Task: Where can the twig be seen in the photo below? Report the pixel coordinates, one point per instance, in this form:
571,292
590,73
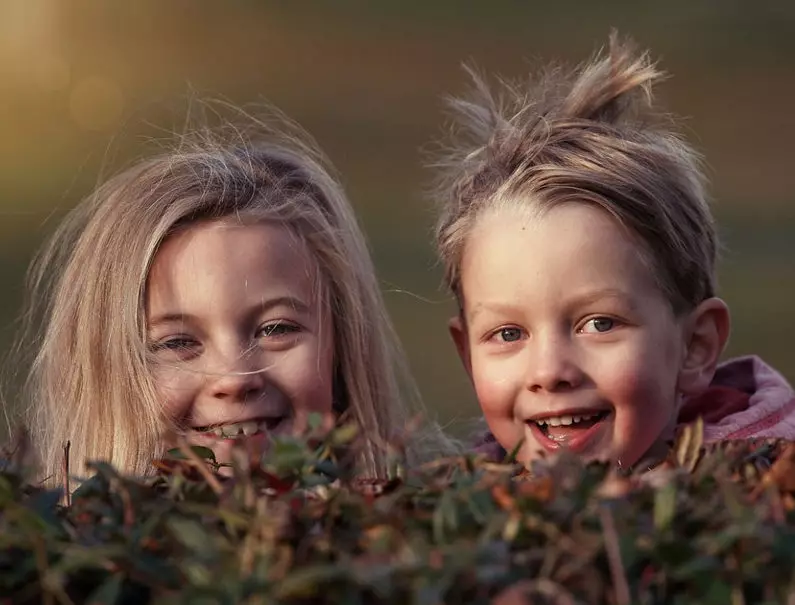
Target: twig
40,551
67,493
50,593
614,557
200,466
520,592
129,511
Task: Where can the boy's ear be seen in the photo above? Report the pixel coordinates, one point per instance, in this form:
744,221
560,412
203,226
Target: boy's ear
458,331
707,333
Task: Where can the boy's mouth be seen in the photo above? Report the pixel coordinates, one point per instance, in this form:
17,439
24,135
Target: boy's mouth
573,431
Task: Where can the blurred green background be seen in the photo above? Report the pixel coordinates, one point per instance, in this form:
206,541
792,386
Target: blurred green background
86,86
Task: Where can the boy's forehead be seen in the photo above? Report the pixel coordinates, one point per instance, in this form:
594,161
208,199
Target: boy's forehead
568,250
557,232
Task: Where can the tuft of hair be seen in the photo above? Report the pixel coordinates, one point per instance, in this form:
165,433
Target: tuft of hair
590,135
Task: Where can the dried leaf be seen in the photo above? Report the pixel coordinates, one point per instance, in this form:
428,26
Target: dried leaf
688,446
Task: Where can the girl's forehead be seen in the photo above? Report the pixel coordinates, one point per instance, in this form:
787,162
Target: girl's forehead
206,262
208,242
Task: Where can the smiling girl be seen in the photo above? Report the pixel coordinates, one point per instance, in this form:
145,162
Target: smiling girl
578,242
222,290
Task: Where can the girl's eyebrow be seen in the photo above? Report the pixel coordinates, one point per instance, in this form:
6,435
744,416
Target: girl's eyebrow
265,305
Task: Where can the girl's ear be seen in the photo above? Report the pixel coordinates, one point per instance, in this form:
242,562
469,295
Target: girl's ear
458,331
707,333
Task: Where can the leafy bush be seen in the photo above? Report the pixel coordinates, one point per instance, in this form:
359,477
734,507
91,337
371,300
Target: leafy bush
711,525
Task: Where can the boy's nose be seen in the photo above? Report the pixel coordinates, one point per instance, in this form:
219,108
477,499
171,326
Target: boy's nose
553,367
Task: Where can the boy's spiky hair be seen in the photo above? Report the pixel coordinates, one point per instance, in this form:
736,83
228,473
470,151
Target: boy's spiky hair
591,135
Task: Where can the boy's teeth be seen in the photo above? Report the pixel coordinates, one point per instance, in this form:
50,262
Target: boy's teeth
565,420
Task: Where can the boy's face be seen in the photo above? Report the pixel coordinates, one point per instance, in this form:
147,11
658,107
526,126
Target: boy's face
242,343
566,337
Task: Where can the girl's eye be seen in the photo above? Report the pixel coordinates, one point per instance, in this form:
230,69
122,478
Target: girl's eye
598,325
509,334
277,329
174,344
178,345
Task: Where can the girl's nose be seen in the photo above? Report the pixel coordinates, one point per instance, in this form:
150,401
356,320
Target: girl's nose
237,379
553,367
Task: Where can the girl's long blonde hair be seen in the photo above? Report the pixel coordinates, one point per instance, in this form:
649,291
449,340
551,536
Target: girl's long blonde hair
89,383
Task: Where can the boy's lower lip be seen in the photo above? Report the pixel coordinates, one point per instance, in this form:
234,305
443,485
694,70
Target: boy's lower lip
577,443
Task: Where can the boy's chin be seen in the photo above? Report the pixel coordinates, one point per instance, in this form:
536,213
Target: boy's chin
597,445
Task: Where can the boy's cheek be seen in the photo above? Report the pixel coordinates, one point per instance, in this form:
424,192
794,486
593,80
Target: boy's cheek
494,389
644,412
496,394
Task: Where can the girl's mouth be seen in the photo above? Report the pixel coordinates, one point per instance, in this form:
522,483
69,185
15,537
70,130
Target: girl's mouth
238,430
574,432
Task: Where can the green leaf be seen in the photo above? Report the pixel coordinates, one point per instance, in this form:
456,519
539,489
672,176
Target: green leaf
205,453
510,458
192,535
314,421
344,434
664,506
309,581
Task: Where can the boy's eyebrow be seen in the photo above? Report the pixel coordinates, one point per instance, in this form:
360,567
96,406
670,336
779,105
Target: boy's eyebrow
264,305
597,295
574,302
493,306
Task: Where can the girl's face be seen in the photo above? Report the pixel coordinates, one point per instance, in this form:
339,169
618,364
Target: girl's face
568,340
241,339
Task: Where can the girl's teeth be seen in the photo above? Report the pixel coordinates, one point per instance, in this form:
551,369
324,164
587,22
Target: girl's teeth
228,431
249,428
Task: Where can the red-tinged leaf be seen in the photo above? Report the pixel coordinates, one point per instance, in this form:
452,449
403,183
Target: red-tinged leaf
503,497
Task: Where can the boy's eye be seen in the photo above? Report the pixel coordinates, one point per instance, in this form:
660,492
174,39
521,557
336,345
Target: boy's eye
278,328
510,334
598,325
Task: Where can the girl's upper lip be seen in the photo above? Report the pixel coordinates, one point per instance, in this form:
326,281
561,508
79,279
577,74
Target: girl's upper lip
575,411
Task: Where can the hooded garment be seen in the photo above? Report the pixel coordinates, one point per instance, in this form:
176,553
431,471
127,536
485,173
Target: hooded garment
747,399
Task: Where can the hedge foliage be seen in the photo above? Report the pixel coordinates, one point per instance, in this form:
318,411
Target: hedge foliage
710,526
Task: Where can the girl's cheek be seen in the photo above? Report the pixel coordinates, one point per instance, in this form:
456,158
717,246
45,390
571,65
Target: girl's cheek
176,392
306,378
